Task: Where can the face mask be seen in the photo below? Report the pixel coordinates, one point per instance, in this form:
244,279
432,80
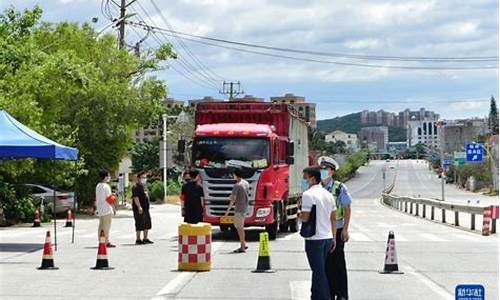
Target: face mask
144,180
324,174
304,185
107,179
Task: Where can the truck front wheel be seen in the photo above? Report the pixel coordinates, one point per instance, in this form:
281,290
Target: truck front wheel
293,223
272,230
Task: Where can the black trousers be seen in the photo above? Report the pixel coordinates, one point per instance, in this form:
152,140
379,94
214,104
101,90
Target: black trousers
336,270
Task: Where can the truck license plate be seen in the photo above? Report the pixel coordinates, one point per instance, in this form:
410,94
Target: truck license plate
226,220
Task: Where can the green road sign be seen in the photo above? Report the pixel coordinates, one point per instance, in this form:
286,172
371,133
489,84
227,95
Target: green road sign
460,161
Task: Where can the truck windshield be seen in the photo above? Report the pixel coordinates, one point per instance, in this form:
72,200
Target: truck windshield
231,152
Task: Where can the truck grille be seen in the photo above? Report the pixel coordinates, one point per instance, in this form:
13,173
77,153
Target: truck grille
218,190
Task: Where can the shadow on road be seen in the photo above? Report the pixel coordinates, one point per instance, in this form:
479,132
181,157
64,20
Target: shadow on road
20,247
251,235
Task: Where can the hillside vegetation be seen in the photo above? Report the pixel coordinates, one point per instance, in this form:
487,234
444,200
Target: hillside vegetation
351,123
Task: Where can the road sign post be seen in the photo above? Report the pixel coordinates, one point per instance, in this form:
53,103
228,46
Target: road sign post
474,152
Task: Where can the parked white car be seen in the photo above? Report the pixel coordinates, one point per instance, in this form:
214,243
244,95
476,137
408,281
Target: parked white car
64,200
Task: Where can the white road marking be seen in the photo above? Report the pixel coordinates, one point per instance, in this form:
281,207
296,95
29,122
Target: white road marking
290,237
300,290
467,237
175,285
125,236
358,227
20,232
429,283
69,232
359,237
384,225
399,237
89,235
432,237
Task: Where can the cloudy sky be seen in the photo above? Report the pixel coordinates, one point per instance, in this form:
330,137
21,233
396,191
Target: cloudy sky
398,28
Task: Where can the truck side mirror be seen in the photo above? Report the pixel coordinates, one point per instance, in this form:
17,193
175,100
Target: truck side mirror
290,149
181,146
290,160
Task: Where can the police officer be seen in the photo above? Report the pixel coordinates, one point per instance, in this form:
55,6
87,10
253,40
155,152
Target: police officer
336,270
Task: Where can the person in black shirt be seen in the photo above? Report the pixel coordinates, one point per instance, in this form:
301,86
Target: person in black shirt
140,207
192,199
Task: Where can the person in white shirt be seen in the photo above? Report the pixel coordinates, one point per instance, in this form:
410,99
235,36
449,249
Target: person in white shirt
105,210
323,241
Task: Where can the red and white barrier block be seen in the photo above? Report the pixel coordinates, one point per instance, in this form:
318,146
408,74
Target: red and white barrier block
494,217
195,242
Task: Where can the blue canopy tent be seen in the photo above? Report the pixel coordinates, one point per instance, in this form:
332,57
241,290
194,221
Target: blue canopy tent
18,141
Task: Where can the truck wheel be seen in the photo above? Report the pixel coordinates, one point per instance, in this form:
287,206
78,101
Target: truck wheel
294,226
284,227
224,228
272,230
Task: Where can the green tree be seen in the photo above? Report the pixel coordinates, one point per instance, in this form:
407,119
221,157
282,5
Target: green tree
493,116
80,90
146,156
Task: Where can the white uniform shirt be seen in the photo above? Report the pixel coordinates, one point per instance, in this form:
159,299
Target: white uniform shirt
325,205
102,191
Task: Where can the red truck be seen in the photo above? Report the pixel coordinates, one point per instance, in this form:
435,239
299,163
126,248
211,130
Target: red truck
269,143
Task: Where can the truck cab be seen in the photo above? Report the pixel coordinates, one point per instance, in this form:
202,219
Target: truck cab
265,153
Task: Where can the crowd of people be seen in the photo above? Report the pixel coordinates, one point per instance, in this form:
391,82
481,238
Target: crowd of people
326,202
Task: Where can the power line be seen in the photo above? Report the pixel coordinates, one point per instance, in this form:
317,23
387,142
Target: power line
190,68
403,67
184,64
106,10
341,55
184,46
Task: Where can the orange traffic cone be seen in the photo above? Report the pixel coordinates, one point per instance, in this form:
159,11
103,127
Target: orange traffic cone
391,259
102,256
69,218
47,259
36,218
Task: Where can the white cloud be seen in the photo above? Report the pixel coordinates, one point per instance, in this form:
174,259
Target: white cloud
384,27
364,44
465,106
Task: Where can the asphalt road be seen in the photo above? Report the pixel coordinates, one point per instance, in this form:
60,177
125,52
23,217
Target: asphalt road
415,179
434,258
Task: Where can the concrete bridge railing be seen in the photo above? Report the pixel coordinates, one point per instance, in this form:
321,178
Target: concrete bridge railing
420,207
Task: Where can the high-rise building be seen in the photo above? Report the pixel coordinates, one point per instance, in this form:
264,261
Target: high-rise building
400,119
307,110
422,131
375,135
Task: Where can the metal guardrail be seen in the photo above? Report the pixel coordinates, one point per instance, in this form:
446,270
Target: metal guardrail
411,206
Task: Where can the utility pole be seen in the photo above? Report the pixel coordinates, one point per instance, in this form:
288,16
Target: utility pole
229,88
123,9
441,124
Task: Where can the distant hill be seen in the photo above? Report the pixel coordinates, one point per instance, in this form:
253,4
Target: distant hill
351,123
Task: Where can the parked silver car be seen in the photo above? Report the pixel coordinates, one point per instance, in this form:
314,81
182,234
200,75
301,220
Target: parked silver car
64,200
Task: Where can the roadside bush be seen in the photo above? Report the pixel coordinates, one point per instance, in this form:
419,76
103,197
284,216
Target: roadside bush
173,188
17,206
347,170
156,190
